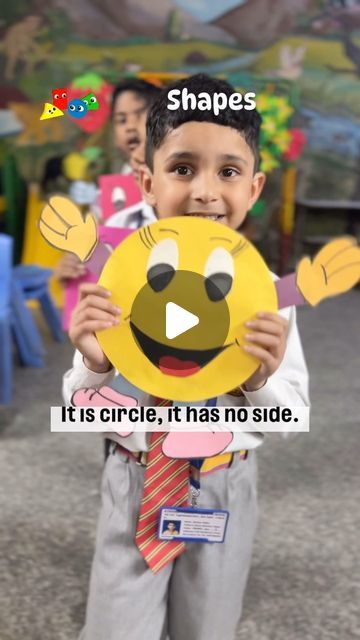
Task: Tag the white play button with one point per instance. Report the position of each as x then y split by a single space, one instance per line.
178 320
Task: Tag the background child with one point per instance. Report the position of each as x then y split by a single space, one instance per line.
130 103
203 165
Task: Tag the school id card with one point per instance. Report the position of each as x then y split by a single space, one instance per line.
189 524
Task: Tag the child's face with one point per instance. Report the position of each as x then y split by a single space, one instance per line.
128 115
203 169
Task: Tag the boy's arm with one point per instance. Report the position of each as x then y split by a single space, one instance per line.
288 386
79 377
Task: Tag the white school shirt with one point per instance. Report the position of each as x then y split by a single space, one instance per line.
287 387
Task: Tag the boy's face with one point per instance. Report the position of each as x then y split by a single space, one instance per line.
128 114
203 169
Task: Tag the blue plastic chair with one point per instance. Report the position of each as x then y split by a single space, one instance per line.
6 256
30 282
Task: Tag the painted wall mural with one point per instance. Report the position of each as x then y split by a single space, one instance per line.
311 46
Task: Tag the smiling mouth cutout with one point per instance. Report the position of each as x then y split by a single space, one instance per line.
172 361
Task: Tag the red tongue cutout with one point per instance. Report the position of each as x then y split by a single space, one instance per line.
175 367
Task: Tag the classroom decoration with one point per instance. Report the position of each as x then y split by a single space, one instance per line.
117 191
93 85
35 131
275 136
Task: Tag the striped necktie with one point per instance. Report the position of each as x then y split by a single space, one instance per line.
166 484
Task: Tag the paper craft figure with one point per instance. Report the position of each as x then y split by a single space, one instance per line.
60 97
77 109
63 225
109 237
225 282
50 111
111 187
105 397
91 102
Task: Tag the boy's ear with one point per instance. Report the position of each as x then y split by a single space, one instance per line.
257 186
146 185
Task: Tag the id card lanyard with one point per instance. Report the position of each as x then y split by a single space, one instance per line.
195 467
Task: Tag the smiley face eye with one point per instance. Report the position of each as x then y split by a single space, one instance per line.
56 96
160 276
162 264
63 95
219 274
218 286
93 100
80 107
72 107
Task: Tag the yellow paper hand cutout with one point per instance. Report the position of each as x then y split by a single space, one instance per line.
335 269
63 226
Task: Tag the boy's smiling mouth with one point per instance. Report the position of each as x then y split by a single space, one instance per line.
215 217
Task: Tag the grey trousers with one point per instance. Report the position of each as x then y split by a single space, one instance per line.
199 595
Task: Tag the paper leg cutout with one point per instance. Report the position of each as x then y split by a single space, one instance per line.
104 397
196 444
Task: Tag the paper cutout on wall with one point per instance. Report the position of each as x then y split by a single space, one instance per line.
117 192
37 132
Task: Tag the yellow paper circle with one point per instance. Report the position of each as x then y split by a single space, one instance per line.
178 248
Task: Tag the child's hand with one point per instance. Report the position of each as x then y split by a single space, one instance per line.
92 313
268 344
69 267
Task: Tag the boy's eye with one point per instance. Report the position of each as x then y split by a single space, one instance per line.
229 172
182 170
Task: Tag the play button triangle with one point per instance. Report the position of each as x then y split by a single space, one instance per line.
178 320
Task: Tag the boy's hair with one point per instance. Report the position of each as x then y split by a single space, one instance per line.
161 120
142 89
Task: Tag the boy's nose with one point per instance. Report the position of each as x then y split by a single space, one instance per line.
204 190
132 121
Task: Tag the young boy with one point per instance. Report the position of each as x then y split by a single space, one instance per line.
198 164
130 103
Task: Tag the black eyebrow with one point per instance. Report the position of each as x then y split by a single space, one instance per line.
230 157
171 231
225 157
182 155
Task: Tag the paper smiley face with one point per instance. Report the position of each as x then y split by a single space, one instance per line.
60 97
196 267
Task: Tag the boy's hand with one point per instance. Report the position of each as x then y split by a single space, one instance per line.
69 267
94 312
267 343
